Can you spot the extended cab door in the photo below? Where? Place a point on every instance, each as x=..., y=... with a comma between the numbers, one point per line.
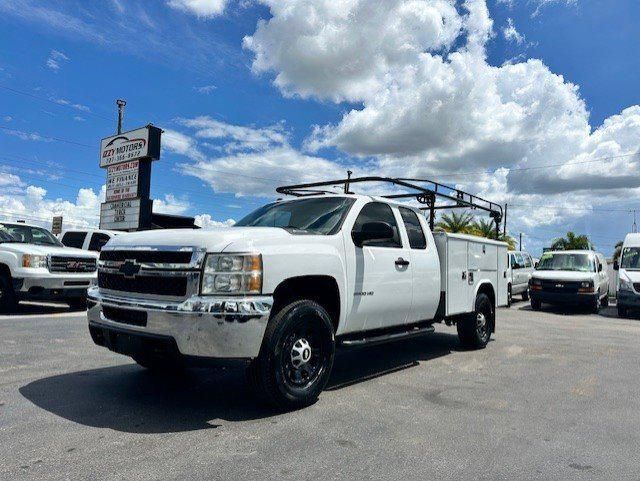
x=425, y=266
x=380, y=281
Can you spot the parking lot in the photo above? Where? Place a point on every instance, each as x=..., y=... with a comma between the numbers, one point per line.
x=554, y=396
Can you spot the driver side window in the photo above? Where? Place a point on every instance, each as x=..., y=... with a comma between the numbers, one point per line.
x=378, y=212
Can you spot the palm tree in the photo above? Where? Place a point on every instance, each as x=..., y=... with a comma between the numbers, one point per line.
x=461, y=223
x=484, y=228
x=572, y=242
x=617, y=251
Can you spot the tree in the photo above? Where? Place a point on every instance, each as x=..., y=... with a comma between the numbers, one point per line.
x=572, y=242
x=617, y=252
x=460, y=223
x=485, y=228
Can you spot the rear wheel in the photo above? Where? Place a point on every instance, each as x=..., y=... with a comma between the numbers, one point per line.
x=296, y=356
x=8, y=300
x=475, y=330
x=509, y=296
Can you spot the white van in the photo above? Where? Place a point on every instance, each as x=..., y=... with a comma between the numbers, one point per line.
x=628, y=275
x=88, y=240
x=576, y=277
x=520, y=267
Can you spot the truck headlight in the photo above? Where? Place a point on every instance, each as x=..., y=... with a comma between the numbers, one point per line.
x=34, y=261
x=232, y=274
x=586, y=287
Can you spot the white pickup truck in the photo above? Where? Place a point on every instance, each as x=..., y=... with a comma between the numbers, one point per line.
x=287, y=284
x=34, y=265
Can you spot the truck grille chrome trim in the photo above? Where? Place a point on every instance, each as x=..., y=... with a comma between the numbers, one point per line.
x=71, y=264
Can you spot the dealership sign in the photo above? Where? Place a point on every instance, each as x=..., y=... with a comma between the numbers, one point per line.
x=132, y=145
x=127, y=159
x=122, y=181
x=124, y=214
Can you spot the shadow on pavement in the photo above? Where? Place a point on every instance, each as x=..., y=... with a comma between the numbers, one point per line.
x=128, y=398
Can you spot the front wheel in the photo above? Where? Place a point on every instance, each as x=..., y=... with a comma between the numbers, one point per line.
x=296, y=356
x=622, y=311
x=536, y=305
x=605, y=301
x=475, y=330
x=595, y=304
x=509, y=296
x=525, y=295
x=8, y=300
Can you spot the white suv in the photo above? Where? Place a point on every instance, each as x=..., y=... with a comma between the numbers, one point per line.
x=34, y=265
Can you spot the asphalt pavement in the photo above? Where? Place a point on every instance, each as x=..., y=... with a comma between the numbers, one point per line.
x=555, y=395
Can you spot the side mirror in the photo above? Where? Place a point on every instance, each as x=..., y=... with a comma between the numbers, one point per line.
x=372, y=231
x=535, y=266
x=616, y=266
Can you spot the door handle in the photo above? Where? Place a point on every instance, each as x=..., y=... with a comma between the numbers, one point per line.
x=402, y=262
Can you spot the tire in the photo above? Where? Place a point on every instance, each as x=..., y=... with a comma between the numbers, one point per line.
x=605, y=300
x=535, y=304
x=474, y=331
x=8, y=300
x=622, y=311
x=525, y=295
x=79, y=303
x=595, y=304
x=509, y=296
x=296, y=356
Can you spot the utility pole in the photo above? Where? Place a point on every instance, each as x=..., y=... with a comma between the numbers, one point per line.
x=505, y=220
x=120, y=103
x=634, y=227
x=520, y=248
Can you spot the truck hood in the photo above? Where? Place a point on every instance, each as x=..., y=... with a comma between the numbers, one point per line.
x=21, y=248
x=214, y=240
x=562, y=275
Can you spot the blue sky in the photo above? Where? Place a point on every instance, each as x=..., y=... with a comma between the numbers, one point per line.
x=251, y=95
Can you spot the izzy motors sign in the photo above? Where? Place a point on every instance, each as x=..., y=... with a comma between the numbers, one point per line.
x=127, y=146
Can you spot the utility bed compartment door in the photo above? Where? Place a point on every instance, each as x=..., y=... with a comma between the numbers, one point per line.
x=458, y=290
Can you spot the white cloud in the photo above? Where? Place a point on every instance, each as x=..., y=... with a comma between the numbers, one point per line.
x=201, y=8
x=22, y=135
x=171, y=204
x=429, y=103
x=206, y=222
x=205, y=89
x=69, y=103
x=511, y=34
x=56, y=59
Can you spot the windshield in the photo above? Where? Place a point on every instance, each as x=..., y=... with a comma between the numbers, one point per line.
x=305, y=216
x=5, y=235
x=566, y=262
x=30, y=235
x=630, y=258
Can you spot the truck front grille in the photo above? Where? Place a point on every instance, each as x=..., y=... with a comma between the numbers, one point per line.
x=560, y=286
x=147, y=257
x=71, y=264
x=175, y=285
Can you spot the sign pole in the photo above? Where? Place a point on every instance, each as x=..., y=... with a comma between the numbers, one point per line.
x=120, y=103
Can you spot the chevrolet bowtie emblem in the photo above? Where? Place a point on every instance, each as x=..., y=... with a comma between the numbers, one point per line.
x=129, y=268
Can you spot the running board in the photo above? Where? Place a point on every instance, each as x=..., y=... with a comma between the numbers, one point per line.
x=380, y=338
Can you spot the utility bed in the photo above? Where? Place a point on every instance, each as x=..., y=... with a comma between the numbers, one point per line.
x=466, y=263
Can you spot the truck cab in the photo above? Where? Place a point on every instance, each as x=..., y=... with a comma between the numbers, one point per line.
x=290, y=282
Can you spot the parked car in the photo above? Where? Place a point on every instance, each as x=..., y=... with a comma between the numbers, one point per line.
x=570, y=278
x=285, y=285
x=520, y=269
x=628, y=295
x=34, y=265
x=88, y=240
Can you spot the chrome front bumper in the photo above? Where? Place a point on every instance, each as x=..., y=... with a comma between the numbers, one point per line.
x=201, y=326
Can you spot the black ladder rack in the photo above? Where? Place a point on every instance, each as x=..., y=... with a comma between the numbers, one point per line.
x=425, y=191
